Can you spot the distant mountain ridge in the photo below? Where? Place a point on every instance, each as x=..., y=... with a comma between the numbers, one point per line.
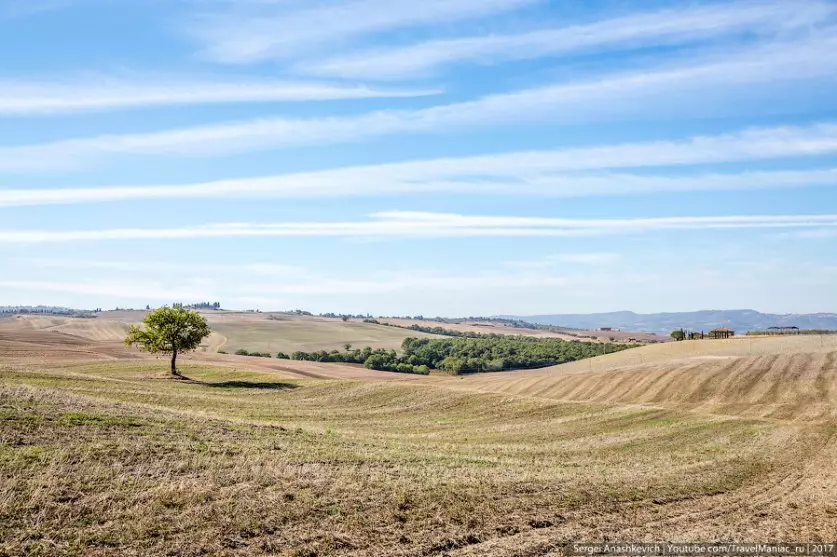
x=741, y=320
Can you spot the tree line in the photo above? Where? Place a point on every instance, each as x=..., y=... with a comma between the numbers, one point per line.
x=511, y=323
x=486, y=353
x=441, y=331
x=199, y=305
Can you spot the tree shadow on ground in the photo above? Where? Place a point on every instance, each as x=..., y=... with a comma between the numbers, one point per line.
x=248, y=385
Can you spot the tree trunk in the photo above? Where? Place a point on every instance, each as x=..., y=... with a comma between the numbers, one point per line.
x=173, y=363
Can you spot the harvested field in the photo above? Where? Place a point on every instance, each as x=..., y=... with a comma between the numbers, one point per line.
x=501, y=328
x=100, y=329
x=275, y=332
x=284, y=333
x=255, y=332
x=489, y=327
x=793, y=378
x=102, y=454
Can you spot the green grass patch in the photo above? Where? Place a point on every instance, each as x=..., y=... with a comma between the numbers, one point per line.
x=80, y=419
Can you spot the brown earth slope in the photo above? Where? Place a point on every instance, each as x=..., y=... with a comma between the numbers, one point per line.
x=100, y=454
x=793, y=378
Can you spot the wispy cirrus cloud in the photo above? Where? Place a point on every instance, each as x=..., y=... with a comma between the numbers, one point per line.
x=33, y=98
x=588, y=171
x=625, y=95
x=247, y=33
x=683, y=25
x=133, y=266
x=561, y=260
x=416, y=225
x=444, y=292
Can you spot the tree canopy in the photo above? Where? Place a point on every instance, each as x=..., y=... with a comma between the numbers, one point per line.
x=169, y=331
x=464, y=355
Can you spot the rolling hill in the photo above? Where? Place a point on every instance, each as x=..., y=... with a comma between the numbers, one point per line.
x=255, y=332
x=739, y=320
x=775, y=377
x=101, y=453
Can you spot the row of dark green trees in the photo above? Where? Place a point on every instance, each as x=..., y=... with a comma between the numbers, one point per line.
x=462, y=355
x=441, y=331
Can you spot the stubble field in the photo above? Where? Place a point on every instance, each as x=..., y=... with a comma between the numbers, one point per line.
x=102, y=454
x=255, y=332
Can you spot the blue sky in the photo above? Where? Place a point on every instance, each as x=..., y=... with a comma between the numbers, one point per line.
x=443, y=157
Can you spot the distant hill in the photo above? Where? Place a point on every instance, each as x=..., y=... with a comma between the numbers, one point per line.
x=741, y=320
x=51, y=310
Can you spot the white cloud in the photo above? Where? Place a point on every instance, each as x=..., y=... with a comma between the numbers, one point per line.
x=574, y=172
x=686, y=24
x=268, y=293
x=403, y=224
x=107, y=289
x=133, y=266
x=628, y=94
x=241, y=280
x=560, y=260
x=656, y=282
x=652, y=91
x=96, y=93
x=289, y=29
x=430, y=220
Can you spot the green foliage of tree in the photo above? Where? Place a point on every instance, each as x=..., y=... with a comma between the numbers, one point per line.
x=678, y=335
x=244, y=352
x=283, y=356
x=466, y=355
x=169, y=331
x=499, y=352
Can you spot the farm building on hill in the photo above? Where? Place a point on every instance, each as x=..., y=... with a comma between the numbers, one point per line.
x=721, y=332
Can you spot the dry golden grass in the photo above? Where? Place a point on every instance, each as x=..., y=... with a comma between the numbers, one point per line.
x=502, y=328
x=282, y=333
x=255, y=332
x=701, y=350
x=790, y=379
x=111, y=457
x=91, y=329
x=483, y=327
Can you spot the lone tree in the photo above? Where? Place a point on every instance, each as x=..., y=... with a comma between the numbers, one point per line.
x=169, y=331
